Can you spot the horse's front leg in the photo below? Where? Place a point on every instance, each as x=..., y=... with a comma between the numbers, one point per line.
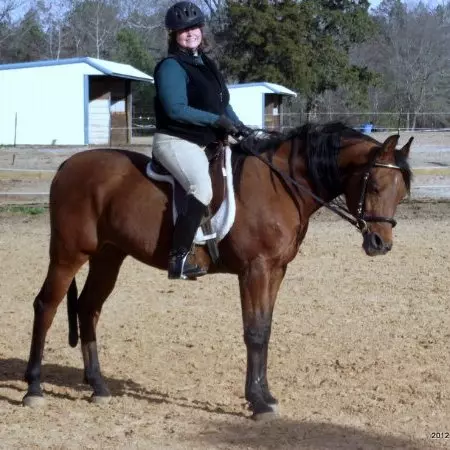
x=259, y=286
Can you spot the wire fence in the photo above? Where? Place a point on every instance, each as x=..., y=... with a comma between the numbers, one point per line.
x=143, y=124
x=374, y=121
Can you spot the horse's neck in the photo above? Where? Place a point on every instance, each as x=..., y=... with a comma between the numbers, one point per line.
x=294, y=157
x=291, y=161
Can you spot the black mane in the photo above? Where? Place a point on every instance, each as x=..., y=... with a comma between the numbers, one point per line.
x=322, y=146
x=321, y=149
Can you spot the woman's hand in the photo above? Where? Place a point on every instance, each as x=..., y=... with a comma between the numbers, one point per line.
x=224, y=123
x=244, y=130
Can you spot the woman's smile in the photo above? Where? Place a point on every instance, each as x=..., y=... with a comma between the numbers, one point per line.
x=190, y=38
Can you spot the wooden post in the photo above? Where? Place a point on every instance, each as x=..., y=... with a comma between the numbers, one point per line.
x=15, y=130
x=129, y=110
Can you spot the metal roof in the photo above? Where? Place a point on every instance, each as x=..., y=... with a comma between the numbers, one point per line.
x=106, y=67
x=270, y=88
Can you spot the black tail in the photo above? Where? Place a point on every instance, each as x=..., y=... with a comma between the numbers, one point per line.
x=72, y=298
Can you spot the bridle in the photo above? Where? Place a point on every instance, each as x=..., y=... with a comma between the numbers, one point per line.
x=359, y=220
x=361, y=217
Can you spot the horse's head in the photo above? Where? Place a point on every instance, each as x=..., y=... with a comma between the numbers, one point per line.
x=337, y=159
x=377, y=178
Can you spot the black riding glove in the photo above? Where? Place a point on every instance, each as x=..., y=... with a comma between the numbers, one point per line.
x=227, y=125
x=244, y=130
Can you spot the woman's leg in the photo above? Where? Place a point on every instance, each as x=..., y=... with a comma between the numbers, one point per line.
x=187, y=162
x=189, y=165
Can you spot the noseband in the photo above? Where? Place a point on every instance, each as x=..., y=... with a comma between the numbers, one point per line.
x=361, y=217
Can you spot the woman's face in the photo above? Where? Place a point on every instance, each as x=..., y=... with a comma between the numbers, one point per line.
x=190, y=38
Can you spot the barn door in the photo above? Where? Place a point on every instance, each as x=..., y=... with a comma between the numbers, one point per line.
x=99, y=112
x=119, y=112
x=99, y=122
x=272, y=110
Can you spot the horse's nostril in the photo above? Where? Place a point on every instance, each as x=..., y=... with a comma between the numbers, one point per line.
x=374, y=244
x=376, y=241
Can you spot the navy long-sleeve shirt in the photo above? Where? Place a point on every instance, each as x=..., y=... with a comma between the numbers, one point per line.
x=171, y=79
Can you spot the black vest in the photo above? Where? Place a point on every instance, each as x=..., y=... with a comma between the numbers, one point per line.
x=206, y=90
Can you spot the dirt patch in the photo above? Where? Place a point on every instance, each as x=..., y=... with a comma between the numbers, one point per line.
x=358, y=355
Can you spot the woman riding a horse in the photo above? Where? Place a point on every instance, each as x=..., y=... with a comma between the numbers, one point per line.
x=279, y=183
x=192, y=110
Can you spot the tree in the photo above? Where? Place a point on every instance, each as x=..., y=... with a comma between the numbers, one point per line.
x=52, y=18
x=91, y=27
x=131, y=50
x=261, y=41
x=7, y=8
x=412, y=54
x=217, y=11
x=29, y=42
x=304, y=45
x=148, y=23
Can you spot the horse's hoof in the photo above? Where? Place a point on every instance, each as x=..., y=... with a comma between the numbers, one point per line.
x=100, y=399
x=265, y=416
x=33, y=401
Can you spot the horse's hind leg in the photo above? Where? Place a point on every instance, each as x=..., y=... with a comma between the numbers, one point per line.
x=55, y=287
x=103, y=271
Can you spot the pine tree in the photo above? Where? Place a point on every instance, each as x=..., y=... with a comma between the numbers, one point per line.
x=303, y=45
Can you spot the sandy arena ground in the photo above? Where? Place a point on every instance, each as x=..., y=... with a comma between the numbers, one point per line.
x=359, y=350
x=358, y=359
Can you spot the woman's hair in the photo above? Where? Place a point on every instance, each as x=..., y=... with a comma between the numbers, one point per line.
x=173, y=46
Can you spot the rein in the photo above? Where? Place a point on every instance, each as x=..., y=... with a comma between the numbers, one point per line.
x=360, y=219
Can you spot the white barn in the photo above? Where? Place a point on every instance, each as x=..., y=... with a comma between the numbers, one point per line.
x=76, y=101
x=259, y=105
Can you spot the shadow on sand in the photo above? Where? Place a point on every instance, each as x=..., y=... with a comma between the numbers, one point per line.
x=12, y=370
x=291, y=434
x=233, y=432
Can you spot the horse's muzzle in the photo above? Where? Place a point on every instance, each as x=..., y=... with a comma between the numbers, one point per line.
x=374, y=245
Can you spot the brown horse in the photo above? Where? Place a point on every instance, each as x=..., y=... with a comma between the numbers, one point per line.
x=103, y=208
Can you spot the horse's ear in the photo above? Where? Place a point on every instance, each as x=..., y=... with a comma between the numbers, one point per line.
x=390, y=143
x=406, y=148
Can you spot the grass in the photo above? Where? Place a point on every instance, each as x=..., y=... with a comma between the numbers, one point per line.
x=28, y=210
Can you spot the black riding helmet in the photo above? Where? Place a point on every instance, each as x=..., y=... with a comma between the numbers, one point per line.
x=184, y=15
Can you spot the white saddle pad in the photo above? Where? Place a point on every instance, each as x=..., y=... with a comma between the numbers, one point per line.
x=223, y=219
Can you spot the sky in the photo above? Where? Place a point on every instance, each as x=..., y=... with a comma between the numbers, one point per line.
x=373, y=4
x=432, y=3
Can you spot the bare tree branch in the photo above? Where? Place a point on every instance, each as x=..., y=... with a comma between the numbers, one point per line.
x=7, y=7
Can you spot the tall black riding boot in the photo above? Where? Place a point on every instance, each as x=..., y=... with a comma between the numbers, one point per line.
x=186, y=226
